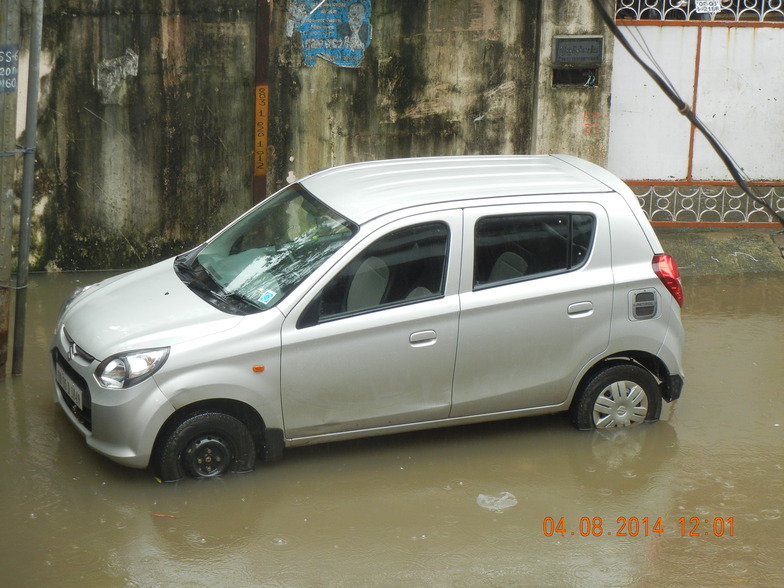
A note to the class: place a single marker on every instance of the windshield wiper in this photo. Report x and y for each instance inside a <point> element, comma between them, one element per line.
<point>198,279</point>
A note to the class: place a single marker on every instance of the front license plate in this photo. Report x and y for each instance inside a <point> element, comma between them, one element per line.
<point>69,387</point>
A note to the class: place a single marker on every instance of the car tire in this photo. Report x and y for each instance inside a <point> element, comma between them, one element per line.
<point>205,445</point>
<point>617,396</point>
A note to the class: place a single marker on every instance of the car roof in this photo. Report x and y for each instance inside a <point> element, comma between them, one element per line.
<point>363,191</point>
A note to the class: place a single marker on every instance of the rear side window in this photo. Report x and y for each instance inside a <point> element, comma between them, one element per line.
<point>511,248</point>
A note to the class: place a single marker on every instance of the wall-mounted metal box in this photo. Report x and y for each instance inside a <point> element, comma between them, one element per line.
<point>576,60</point>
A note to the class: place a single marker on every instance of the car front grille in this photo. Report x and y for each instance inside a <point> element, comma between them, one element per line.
<point>77,351</point>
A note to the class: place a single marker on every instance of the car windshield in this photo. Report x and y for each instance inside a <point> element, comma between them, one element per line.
<point>263,256</point>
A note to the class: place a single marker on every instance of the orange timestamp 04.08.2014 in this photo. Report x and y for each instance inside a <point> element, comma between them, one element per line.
<point>633,526</point>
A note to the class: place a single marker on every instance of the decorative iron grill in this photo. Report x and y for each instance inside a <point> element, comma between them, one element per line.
<point>708,204</point>
<point>686,10</point>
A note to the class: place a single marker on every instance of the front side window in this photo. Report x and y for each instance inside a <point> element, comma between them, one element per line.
<point>262,257</point>
<point>403,267</point>
<point>511,248</point>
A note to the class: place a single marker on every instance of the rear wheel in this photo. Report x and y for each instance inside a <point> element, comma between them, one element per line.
<point>617,396</point>
<point>205,445</point>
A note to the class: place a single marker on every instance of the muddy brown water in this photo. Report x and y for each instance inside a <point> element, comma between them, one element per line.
<point>696,499</point>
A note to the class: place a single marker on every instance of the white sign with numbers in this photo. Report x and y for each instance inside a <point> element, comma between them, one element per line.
<point>707,6</point>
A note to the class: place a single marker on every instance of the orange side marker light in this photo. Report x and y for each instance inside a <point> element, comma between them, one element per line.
<point>257,369</point>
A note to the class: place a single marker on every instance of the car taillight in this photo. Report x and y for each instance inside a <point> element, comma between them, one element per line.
<point>667,270</point>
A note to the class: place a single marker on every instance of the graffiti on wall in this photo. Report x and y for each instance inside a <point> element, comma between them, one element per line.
<point>337,31</point>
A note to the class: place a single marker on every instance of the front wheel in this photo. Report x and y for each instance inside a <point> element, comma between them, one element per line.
<point>617,396</point>
<point>205,445</point>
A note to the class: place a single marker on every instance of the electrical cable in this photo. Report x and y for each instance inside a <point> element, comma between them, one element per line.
<point>685,110</point>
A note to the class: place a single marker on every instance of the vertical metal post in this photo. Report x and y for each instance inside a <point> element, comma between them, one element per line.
<point>9,77</point>
<point>33,83</point>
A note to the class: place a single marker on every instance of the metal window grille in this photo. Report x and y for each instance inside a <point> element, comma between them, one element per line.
<point>687,10</point>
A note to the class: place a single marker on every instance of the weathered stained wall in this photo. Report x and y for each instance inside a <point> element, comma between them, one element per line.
<point>440,77</point>
<point>145,139</point>
<point>147,114</point>
<point>573,119</point>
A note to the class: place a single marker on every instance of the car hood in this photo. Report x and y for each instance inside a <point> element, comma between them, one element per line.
<point>146,308</point>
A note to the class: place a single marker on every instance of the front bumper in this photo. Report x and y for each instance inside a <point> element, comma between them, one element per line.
<point>120,424</point>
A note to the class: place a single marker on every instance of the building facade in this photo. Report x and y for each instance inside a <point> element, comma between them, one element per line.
<point>161,120</point>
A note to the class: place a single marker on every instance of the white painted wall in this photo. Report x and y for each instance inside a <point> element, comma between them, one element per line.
<point>740,98</point>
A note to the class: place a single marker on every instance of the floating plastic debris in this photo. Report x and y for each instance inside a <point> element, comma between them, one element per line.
<point>497,503</point>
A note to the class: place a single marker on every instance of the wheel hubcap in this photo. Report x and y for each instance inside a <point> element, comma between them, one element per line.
<point>620,404</point>
<point>206,457</point>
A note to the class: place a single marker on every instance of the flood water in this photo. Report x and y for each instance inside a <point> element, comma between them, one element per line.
<point>696,499</point>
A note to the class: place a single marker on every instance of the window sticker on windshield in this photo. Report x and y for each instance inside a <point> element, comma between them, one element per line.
<point>267,297</point>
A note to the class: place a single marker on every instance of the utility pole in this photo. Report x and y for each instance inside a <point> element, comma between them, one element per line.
<point>28,178</point>
<point>9,82</point>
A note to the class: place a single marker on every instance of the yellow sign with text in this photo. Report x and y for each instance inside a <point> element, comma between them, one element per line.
<point>260,131</point>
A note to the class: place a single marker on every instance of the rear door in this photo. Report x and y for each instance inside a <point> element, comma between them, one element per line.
<point>536,302</point>
<point>374,344</point>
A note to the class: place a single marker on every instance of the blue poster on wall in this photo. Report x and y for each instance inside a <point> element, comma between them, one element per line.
<point>337,31</point>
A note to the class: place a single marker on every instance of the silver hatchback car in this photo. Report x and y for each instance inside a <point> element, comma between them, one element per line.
<point>377,298</point>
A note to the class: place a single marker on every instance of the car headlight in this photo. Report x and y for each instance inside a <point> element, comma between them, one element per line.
<point>128,369</point>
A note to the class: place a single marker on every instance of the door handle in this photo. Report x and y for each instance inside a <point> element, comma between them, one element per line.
<point>580,308</point>
<point>422,338</point>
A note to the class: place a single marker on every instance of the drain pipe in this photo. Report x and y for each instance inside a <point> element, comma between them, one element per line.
<point>33,83</point>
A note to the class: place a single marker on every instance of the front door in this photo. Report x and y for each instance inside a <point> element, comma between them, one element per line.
<point>374,345</point>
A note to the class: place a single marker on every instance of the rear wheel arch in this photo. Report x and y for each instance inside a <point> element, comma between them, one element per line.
<point>639,368</point>
<point>650,362</point>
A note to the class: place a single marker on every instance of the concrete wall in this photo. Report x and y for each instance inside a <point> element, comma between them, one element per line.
<point>730,74</point>
<point>575,118</point>
<point>440,77</point>
<point>145,142</point>
<point>146,138</point>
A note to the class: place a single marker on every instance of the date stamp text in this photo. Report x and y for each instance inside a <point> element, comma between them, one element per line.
<point>639,527</point>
